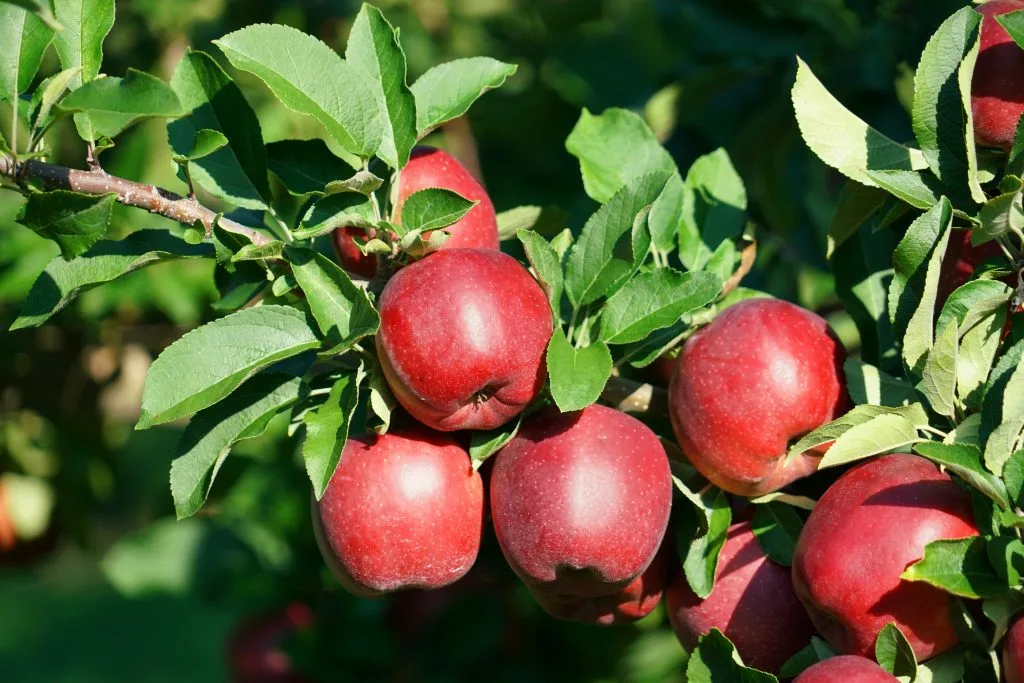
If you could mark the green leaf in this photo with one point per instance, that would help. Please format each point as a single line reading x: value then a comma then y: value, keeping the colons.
x: 484, y: 444
x: 47, y: 95
x: 917, y: 188
x: 777, y: 527
x: 327, y: 429
x: 433, y: 208
x: 80, y: 43
x: 547, y: 266
x: 113, y: 103
x: 1006, y: 554
x: 211, y: 361
x: 208, y: 439
x: 615, y: 148
x: 938, y: 378
x: 1013, y: 475
x: 859, y: 415
x: 979, y: 344
x: 577, y: 376
x: 977, y: 171
x: 612, y: 244
x: 382, y: 402
x: 543, y: 220
x: 24, y: 37
x: 305, y: 166
x: 959, y: 566
x: 447, y: 90
x: 236, y: 171
x: 895, y: 654
x: 41, y: 8
x: 999, y: 216
x: 335, y: 211
x: 362, y: 182
x: 1013, y: 22
x: 965, y: 462
x: 343, y: 311
x: 700, y: 532
x: 842, y: 140
x: 205, y: 143
x: 373, y: 49
x: 867, y: 384
x: 714, y: 209
x: 666, y: 214
x: 1004, y: 439
x: 64, y: 280
x: 995, y: 388
x: 310, y: 78
x: 239, y: 287
x: 856, y: 204
x: 268, y: 250
x: 715, y: 660
x: 863, y: 270
x: 72, y: 220
x: 1015, y: 162
x: 879, y: 434
x: 798, y: 663
x: 654, y: 300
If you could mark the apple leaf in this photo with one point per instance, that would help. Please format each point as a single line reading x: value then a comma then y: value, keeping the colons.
x: 859, y: 415
x: 211, y: 361
x: 959, y: 566
x: 965, y: 462
x: 432, y: 209
x: 715, y: 660
x: 48, y: 94
x: 863, y: 269
x: 1013, y: 22
x: 978, y: 348
x: 114, y: 103
x: 345, y: 209
x: 895, y: 654
x: 615, y: 148
x: 777, y: 527
x: 867, y: 384
x: 999, y: 216
x: 857, y: 203
x: 817, y: 651
x: 919, y: 189
x: 938, y: 377
x: 25, y: 38
x: 1006, y: 554
x: 327, y: 428
x: 654, y: 300
x: 1004, y: 439
x: 484, y: 444
x: 447, y: 91
x: 305, y: 166
x: 700, y: 532
x: 880, y: 434
x: 1001, y: 610
x: 713, y: 210
x: 667, y: 213
x: 972, y: 302
x: 74, y: 221
x: 79, y: 43
x: 237, y: 288
x: 363, y: 182
x: 945, y: 668
x: 205, y: 142
x: 206, y: 441
x: 1013, y: 477
x: 577, y: 376
x: 547, y: 266
x: 382, y: 402
x: 274, y: 249
x: 310, y: 78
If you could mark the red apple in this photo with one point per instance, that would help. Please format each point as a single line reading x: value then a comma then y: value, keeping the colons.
x: 870, y: 525
x: 959, y: 262
x: 752, y: 603
x: 429, y: 167
x: 763, y: 373
x: 401, y: 511
x: 254, y: 650
x: 462, y: 338
x: 1013, y: 653
x: 8, y: 538
x: 997, y: 89
x: 846, y: 669
x: 580, y: 501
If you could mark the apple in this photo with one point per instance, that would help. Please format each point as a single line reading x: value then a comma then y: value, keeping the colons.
x: 870, y: 525
x: 403, y: 510
x: 752, y: 603
x: 254, y: 649
x: 580, y: 502
x: 1013, y: 653
x: 429, y: 167
x: 997, y: 88
x: 462, y: 338
x: 761, y: 375
x: 846, y: 669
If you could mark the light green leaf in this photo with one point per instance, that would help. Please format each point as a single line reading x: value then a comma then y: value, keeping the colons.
x: 113, y: 104
x: 777, y: 527
x: 252, y: 252
x: 211, y: 361
x: 382, y: 402
x: 879, y: 434
x: 24, y: 37
x: 433, y: 208
x: 867, y: 384
x: 938, y: 379
x: 577, y: 376
x: 959, y: 566
x: 547, y: 266
x: 80, y: 43
x: 667, y: 214
x: 535, y: 218
x: 327, y: 429
x: 484, y: 444
x: 895, y: 654
x: 344, y: 209
x: 715, y: 660
x: 700, y: 531
x: 965, y: 462
x: 205, y: 143
x: 1003, y: 440
x: 363, y: 182
x: 999, y: 216
x: 47, y: 95
x: 310, y: 78
x: 654, y: 300
x: 858, y: 415
x: 72, y: 220
x: 977, y: 173
x: 447, y: 90
x: 995, y: 388
x: 917, y: 188
x: 305, y: 166
x: 714, y: 209
x: 1013, y: 475
x: 343, y: 311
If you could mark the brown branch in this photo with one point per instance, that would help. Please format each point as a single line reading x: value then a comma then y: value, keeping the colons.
x: 630, y: 396
x: 747, y: 258
x: 130, y: 193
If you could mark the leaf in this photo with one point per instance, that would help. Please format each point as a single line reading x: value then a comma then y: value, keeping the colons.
x: 856, y: 204
x: 995, y: 388
x: 841, y: 139
x: 577, y: 376
x: 946, y: 668
x: 880, y: 434
x: 1006, y: 555
x: 373, y: 48
x: 666, y: 214
x: 938, y: 379
x: 79, y: 44
x: 863, y: 270
x: 238, y: 288
x: 237, y: 172
x: 72, y: 220
x: 867, y: 384
x: 978, y: 349
x: 41, y: 8
x: 305, y: 166
x: 113, y: 103
x: 1013, y: 22
x: 977, y: 172
x: 64, y: 280
x: 268, y: 250
x: 715, y: 660
x: 207, y: 440
x: 895, y: 654
x: 25, y: 38
x: 916, y: 188
x: 798, y: 663
x: 211, y: 361
x: 777, y: 527
x: 363, y: 182
x: 543, y: 220
x: 343, y: 311
x: 654, y: 300
x: 1013, y: 475
x: 205, y: 143
x: 858, y: 415
x: 335, y: 211
x: 547, y: 266
x: 47, y: 95
x: 959, y: 566
x: 447, y: 90
x: 999, y: 216
x: 484, y: 444
x: 714, y: 209
x: 327, y: 429
x: 382, y: 402
x: 598, y: 264
x: 965, y: 462
x: 1002, y: 441
x: 433, y: 208
x: 615, y: 148
x: 700, y: 532
x: 310, y: 78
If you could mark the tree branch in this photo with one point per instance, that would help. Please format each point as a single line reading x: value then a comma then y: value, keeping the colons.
x: 130, y: 193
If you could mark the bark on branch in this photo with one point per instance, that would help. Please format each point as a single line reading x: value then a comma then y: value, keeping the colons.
x: 130, y: 193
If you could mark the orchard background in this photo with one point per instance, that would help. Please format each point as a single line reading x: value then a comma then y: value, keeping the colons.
x: 98, y: 579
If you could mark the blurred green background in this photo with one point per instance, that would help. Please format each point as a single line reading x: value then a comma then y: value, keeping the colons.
x: 115, y: 590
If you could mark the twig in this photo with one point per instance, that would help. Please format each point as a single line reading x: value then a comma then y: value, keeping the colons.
x: 747, y: 258
x: 130, y: 193
x: 631, y: 396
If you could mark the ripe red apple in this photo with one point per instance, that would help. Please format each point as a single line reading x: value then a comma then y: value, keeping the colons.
x: 763, y: 373
x: 870, y: 525
x: 8, y: 538
x: 462, y: 338
x: 429, y: 167
x: 997, y: 89
x: 254, y: 649
x: 401, y: 511
x: 846, y: 669
x: 752, y: 603
x: 1013, y: 653
x: 580, y: 501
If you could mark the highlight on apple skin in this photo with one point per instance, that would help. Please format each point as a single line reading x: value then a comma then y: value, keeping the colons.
x: 846, y: 669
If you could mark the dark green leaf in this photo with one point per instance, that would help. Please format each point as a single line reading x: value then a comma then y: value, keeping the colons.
x: 856, y: 204
x: 547, y: 266
x: 113, y: 103
x: 863, y: 271
x: 343, y: 311
x: 654, y: 300
x: 995, y: 388
x: 715, y: 660
x: 1004, y: 440
x: 433, y: 208
x: 327, y: 428
x: 665, y: 219
x: 205, y: 143
x: 714, y: 209
x: 345, y: 209
x: 447, y: 90
x: 362, y: 182
x: 1013, y: 475
x: 80, y: 43
x: 1013, y: 22
x: 700, y: 532
x: 305, y: 166
x: 802, y: 660
x: 577, y: 376
x: 1006, y: 553
x: 965, y: 462
x: 268, y: 250
x: 777, y: 527
x: 959, y: 566
x: 24, y: 37
x: 72, y: 220
x: 483, y: 445
x: 867, y: 384
x: 895, y: 654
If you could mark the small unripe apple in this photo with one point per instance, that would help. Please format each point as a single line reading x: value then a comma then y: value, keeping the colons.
x: 846, y: 669
x: 870, y: 525
x: 462, y: 338
x: 752, y: 603
x: 401, y: 511
x: 254, y: 649
x: 764, y: 373
x: 580, y: 501
x: 1013, y: 653
x: 996, y: 100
